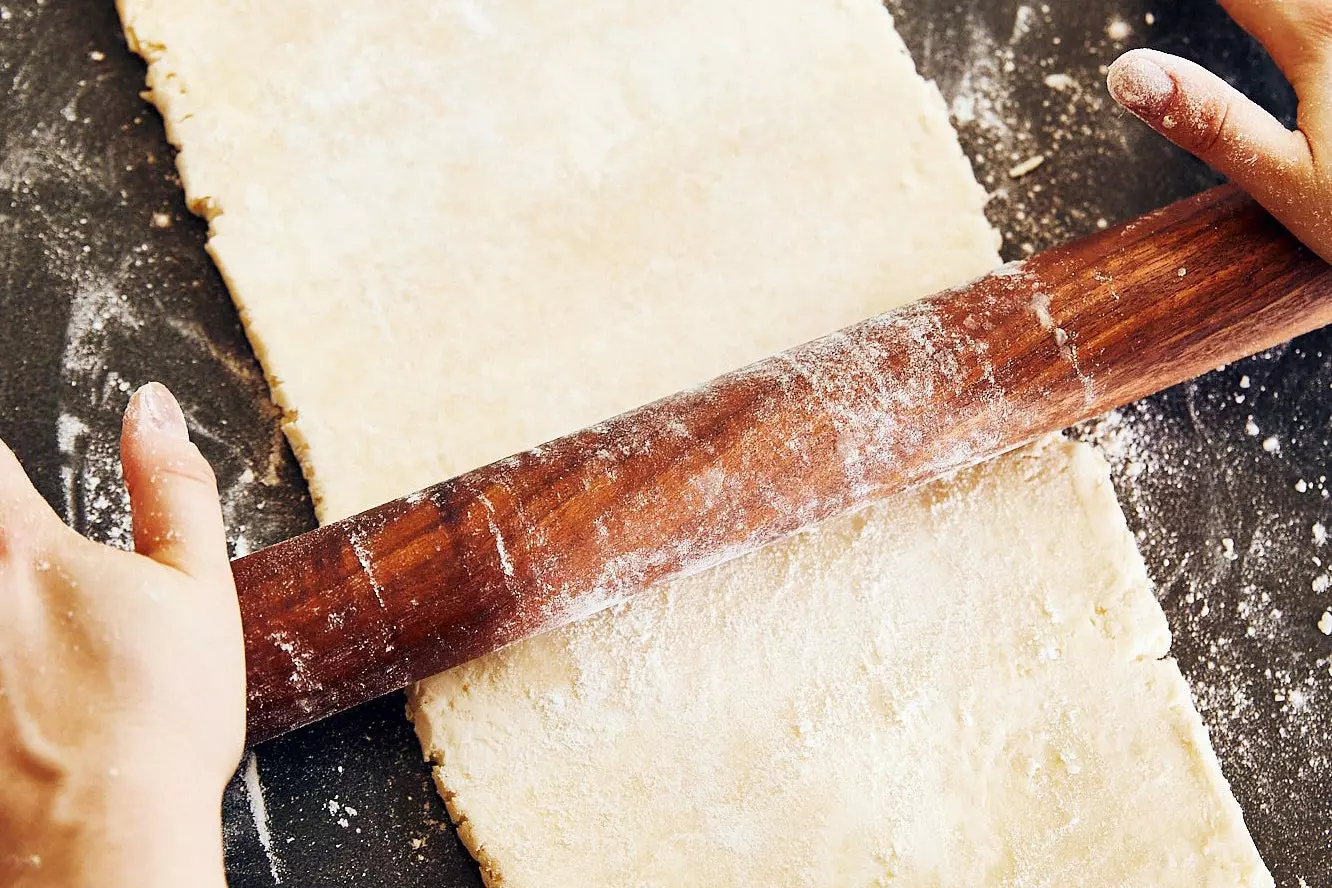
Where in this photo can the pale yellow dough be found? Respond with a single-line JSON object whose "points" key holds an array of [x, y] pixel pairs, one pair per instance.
{"points": [[456, 229], [459, 229], [961, 686]]}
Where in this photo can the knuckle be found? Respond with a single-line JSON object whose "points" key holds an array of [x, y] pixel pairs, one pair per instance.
{"points": [[195, 470], [186, 465], [1207, 128]]}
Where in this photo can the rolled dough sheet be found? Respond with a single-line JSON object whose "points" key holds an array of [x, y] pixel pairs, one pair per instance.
{"points": [[456, 229], [961, 686]]}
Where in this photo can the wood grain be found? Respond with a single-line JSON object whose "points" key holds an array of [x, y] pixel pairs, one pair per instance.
{"points": [[524, 545]]}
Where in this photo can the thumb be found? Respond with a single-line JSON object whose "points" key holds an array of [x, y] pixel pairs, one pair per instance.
{"points": [[173, 492], [1210, 119]]}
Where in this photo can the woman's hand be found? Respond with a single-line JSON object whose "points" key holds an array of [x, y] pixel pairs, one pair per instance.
{"points": [[122, 677], [1289, 173]]}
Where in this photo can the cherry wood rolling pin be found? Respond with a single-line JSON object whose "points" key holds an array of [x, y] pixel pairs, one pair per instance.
{"points": [[365, 606]]}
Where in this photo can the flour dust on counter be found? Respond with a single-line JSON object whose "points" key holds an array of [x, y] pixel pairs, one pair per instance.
{"points": [[988, 66], [98, 296], [110, 280], [459, 230], [1240, 576]]}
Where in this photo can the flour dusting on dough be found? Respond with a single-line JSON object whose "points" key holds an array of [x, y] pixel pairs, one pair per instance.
{"points": [[800, 176]]}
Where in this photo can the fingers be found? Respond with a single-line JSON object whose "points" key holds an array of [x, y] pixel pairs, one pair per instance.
{"points": [[1296, 33], [173, 493], [1298, 36], [1207, 117]]}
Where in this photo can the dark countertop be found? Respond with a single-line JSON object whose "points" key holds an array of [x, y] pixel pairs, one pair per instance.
{"points": [[106, 286]]}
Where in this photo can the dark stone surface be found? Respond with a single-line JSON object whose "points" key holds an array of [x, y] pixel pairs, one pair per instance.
{"points": [[97, 297]]}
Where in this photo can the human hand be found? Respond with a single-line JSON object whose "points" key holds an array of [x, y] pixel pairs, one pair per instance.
{"points": [[1289, 173], [122, 676]]}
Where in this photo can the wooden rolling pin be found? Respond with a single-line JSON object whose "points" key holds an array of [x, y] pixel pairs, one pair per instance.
{"points": [[367, 605]]}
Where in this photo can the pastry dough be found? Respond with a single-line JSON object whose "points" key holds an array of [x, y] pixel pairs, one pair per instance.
{"points": [[459, 229], [456, 229], [961, 686]]}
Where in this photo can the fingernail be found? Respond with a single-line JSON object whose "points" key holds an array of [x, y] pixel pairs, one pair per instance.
{"points": [[157, 409], [1140, 85]]}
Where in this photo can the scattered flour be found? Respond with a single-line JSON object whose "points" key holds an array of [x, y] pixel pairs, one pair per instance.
{"points": [[987, 72], [1027, 166], [254, 791], [65, 199], [1240, 632], [113, 299]]}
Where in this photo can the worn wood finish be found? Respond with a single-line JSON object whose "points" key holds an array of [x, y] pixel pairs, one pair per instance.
{"points": [[365, 606]]}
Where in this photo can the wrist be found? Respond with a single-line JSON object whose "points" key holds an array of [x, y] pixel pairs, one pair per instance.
{"points": [[129, 830]]}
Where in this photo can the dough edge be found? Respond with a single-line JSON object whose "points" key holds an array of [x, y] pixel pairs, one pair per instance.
{"points": [[175, 107]]}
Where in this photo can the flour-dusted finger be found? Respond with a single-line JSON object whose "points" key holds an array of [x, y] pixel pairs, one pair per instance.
{"points": [[173, 492], [1207, 117], [1212, 120]]}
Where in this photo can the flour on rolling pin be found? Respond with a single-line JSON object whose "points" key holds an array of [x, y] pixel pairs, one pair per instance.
{"points": [[859, 402], [566, 529], [875, 410]]}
